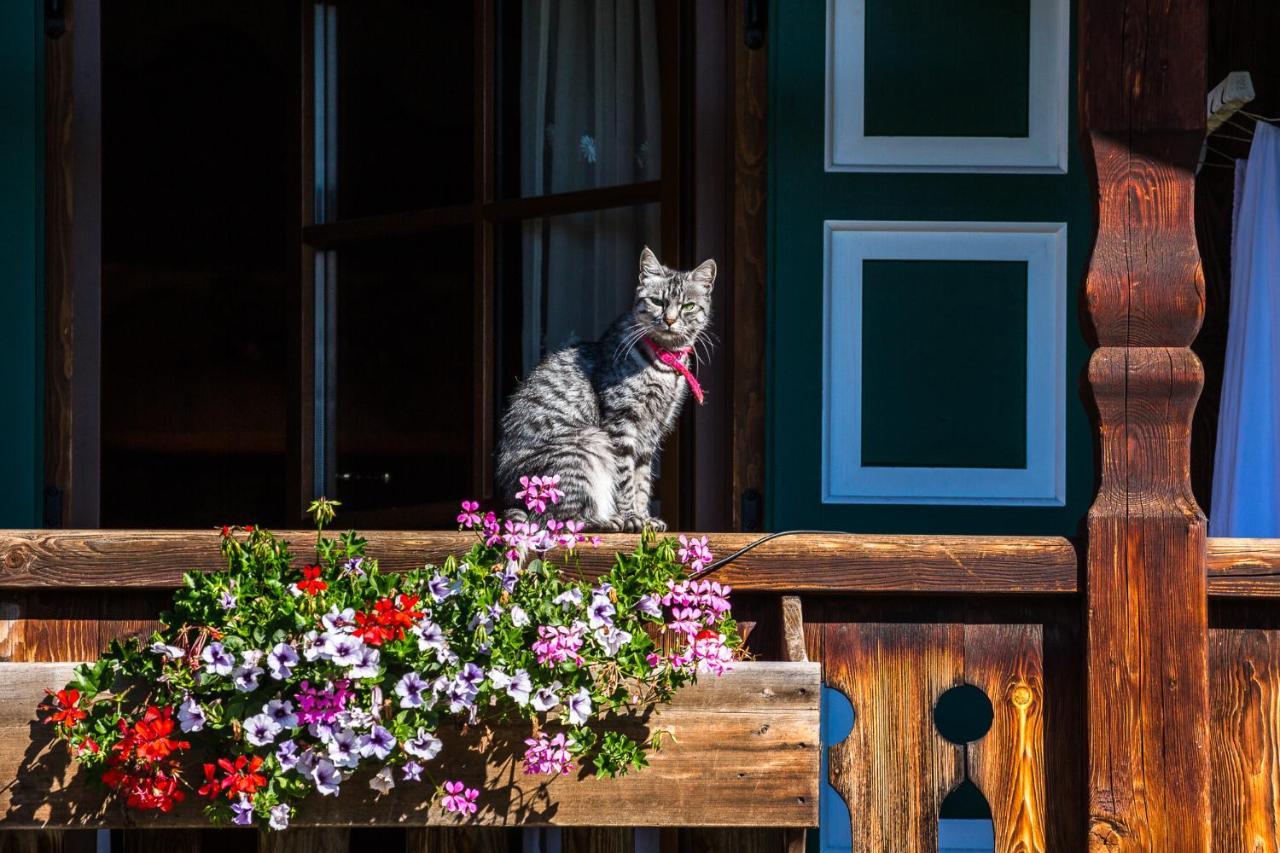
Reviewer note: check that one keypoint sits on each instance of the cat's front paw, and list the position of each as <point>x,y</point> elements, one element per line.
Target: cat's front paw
<point>632,523</point>
<point>657,525</point>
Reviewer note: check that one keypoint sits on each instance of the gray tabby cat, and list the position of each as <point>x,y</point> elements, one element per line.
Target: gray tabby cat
<point>595,413</point>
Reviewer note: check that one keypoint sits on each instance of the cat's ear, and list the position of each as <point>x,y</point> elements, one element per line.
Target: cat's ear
<point>704,274</point>
<point>649,266</point>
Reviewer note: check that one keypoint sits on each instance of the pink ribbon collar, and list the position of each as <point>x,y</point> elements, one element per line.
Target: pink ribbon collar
<point>677,360</point>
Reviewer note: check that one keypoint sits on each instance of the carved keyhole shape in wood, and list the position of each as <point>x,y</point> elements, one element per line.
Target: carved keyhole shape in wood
<point>895,768</point>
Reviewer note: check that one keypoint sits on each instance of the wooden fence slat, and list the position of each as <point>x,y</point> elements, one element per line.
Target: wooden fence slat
<point>162,841</point>
<point>853,563</point>
<point>326,840</point>
<point>1244,690</point>
<point>1007,765</point>
<point>439,840</point>
<point>894,769</point>
<point>49,841</point>
<point>750,736</point>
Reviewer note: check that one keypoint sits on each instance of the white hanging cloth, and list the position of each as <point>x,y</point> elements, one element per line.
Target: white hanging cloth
<point>1246,473</point>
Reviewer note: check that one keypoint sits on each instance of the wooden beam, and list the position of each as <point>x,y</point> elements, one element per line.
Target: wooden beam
<point>1142,84</point>
<point>1244,568</point>
<point>751,737</point>
<point>834,563</point>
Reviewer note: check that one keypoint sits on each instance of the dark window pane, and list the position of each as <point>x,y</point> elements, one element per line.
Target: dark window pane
<point>405,105</point>
<point>569,277</point>
<point>584,80</point>
<point>406,355</point>
<point>200,223</point>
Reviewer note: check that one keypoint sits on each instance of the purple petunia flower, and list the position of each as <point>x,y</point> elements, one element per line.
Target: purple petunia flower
<point>441,587</point>
<point>287,754</point>
<point>281,710</point>
<point>279,816</point>
<point>327,778</point>
<point>242,811</point>
<point>383,781</point>
<point>190,715</point>
<point>342,649</point>
<point>227,600</point>
<point>649,605</point>
<point>410,688</point>
<point>600,612</point>
<point>412,771</point>
<point>217,660</point>
<point>377,743</point>
<point>261,729</point>
<point>424,745</point>
<point>579,707</point>
<point>368,666</point>
<point>281,661</point>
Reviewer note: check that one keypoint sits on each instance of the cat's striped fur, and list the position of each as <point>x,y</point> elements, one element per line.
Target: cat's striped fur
<point>595,413</point>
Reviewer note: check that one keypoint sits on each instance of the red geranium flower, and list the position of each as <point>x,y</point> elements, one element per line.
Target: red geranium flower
<point>389,620</point>
<point>147,740</point>
<point>65,710</point>
<point>311,583</point>
<point>156,791</point>
<point>239,777</point>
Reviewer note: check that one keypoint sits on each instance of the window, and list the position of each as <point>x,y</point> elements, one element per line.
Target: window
<point>326,264</point>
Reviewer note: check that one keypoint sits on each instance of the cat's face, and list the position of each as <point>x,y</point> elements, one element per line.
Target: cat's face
<point>674,307</point>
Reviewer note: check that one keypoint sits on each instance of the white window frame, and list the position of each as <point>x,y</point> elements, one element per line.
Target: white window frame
<point>1043,150</point>
<point>1043,246</point>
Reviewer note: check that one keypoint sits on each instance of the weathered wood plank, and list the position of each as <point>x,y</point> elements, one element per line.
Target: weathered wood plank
<point>469,840</point>
<point>327,840</point>
<point>1244,568</point>
<point>165,841</point>
<point>894,769</point>
<point>751,737</point>
<point>1244,686</point>
<point>803,563</point>
<point>1007,663</point>
<point>48,841</point>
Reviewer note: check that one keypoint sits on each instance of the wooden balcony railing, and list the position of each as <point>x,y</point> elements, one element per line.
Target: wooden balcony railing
<point>895,621</point>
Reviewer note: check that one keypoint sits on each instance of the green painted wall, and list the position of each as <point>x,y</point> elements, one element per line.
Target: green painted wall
<point>21,262</point>
<point>802,195</point>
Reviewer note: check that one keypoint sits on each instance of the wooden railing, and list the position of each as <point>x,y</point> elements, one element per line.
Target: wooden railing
<point>895,621</point>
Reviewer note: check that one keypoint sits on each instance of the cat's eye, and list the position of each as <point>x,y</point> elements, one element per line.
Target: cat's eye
<point>689,306</point>
<point>656,301</point>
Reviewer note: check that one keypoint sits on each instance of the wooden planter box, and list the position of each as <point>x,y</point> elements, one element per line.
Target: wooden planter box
<point>742,751</point>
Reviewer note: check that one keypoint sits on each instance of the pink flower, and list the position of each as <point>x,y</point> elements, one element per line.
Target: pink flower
<point>492,531</point>
<point>469,517</point>
<point>710,653</point>
<point>694,552</point>
<point>459,798</point>
<point>321,706</point>
<point>549,757</point>
<point>538,491</point>
<point>559,643</point>
<point>686,620</point>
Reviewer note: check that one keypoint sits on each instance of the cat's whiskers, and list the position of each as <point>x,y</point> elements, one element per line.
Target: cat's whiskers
<point>629,341</point>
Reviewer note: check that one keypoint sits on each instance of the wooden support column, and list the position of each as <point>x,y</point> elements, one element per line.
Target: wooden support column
<point>1142,88</point>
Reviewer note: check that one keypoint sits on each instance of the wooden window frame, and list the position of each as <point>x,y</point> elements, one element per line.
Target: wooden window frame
<point>712,197</point>
<point>487,211</point>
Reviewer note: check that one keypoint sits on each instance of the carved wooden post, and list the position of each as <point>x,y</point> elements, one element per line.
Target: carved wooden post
<point>1142,87</point>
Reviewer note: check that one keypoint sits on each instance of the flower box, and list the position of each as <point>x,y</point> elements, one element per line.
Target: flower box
<point>740,750</point>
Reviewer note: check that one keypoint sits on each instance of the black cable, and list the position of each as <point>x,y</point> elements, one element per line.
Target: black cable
<point>706,570</point>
